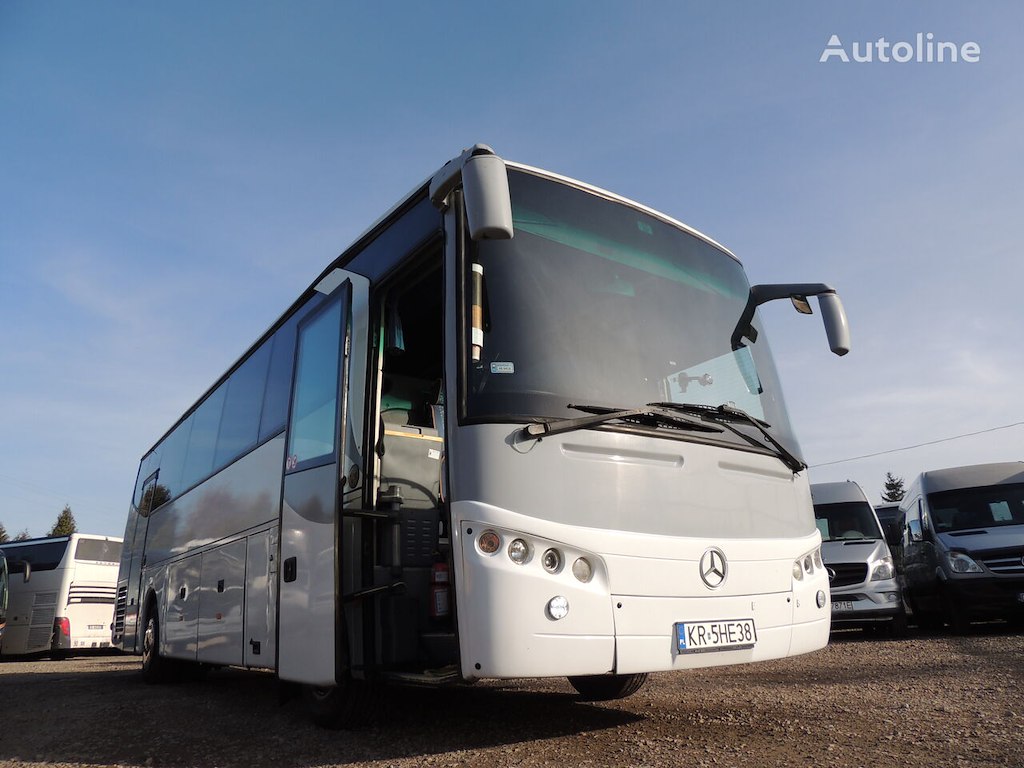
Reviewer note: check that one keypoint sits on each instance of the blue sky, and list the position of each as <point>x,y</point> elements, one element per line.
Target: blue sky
<point>172,176</point>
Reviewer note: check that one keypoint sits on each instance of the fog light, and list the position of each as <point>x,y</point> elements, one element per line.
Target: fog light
<point>552,561</point>
<point>558,607</point>
<point>891,597</point>
<point>820,598</point>
<point>489,542</point>
<point>582,571</point>
<point>518,551</point>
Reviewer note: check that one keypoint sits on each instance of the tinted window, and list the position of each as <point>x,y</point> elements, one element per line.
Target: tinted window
<point>985,507</point>
<point>279,381</point>
<point>846,520</point>
<point>101,551</point>
<point>172,457</point>
<point>240,424</point>
<point>203,441</point>
<point>44,556</point>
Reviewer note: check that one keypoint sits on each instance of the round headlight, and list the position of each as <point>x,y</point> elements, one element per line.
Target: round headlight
<point>489,542</point>
<point>558,607</point>
<point>798,572</point>
<point>518,551</point>
<point>808,563</point>
<point>551,560</point>
<point>582,571</point>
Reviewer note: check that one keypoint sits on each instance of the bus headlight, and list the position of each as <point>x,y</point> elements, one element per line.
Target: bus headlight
<point>489,542</point>
<point>552,561</point>
<point>582,571</point>
<point>518,551</point>
<point>558,607</point>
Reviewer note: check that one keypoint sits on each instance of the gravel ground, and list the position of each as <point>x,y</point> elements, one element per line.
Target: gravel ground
<point>927,700</point>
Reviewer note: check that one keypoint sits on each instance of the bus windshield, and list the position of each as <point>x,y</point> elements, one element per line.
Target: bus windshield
<point>599,304</point>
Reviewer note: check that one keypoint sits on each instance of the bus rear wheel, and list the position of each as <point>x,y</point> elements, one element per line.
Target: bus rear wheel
<point>349,705</point>
<point>607,687</point>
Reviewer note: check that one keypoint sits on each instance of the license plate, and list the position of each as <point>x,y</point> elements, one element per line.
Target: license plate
<point>704,636</point>
<point>838,606</point>
<point>97,626</point>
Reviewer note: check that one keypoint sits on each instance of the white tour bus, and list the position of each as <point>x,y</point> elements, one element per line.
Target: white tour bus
<point>521,427</point>
<point>62,591</point>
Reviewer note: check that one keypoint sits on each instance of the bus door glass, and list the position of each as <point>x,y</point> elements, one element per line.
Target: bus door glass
<point>309,584</point>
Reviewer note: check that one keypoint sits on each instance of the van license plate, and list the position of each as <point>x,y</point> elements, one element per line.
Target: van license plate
<point>705,636</point>
<point>838,606</point>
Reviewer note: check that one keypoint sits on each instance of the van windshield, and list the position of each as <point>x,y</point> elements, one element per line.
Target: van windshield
<point>846,520</point>
<point>986,507</point>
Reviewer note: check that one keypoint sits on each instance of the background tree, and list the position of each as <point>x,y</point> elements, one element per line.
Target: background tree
<point>894,490</point>
<point>3,534</point>
<point>65,524</point>
<point>23,535</point>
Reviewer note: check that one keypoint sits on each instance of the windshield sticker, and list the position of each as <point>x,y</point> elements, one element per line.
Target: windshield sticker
<point>503,367</point>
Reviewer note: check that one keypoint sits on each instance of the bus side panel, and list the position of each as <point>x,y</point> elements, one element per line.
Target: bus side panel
<point>181,612</point>
<point>259,644</point>
<point>221,594</point>
<point>307,624</point>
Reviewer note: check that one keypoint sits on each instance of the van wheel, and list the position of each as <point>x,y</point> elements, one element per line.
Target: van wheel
<point>349,705</point>
<point>898,626</point>
<point>956,617</point>
<point>607,687</point>
<point>155,668</point>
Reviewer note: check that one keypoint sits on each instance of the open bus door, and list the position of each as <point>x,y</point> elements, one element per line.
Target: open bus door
<point>322,467</point>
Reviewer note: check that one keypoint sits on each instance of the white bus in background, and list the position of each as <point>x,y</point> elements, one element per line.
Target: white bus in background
<point>61,594</point>
<point>3,595</point>
<point>464,454</point>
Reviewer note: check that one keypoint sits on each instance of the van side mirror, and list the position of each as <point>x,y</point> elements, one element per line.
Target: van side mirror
<point>916,534</point>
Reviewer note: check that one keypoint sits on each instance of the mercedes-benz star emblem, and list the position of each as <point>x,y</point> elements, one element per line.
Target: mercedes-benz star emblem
<point>713,568</point>
<point>831,574</point>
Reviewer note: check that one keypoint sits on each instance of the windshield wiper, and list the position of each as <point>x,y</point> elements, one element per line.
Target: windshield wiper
<point>651,415</point>
<point>725,415</point>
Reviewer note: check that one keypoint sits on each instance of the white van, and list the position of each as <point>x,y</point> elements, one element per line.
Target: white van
<point>860,568</point>
<point>962,553</point>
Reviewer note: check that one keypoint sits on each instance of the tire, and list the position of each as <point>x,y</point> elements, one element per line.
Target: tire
<point>898,626</point>
<point>352,704</point>
<point>155,668</point>
<point>607,687</point>
<point>956,617</point>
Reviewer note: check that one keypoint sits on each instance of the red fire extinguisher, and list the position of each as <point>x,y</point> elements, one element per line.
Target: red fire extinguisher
<point>440,591</point>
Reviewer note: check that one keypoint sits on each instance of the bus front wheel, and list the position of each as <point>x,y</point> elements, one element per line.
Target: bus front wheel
<point>155,668</point>
<point>607,687</point>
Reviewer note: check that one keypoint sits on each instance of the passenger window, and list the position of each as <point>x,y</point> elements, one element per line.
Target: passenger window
<point>202,442</point>
<point>240,424</point>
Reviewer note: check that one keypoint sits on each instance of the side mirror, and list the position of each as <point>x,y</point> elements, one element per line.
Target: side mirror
<point>833,315</point>
<point>484,182</point>
<point>916,534</point>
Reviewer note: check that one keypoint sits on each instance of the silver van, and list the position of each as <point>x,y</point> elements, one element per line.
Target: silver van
<point>860,567</point>
<point>961,556</point>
